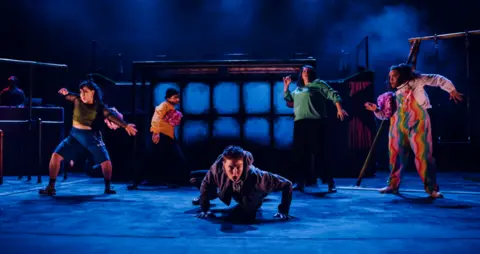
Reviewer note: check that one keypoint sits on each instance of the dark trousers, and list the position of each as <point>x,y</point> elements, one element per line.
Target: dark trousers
<point>311,152</point>
<point>167,163</point>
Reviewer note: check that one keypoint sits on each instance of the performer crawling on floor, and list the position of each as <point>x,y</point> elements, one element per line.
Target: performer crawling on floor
<point>235,177</point>
<point>88,113</point>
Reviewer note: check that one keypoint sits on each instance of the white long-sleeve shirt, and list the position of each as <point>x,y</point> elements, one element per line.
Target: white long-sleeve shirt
<point>418,87</point>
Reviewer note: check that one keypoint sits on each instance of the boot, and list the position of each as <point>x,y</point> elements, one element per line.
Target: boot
<point>49,190</point>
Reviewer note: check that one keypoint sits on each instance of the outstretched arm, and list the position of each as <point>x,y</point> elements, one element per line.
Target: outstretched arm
<point>327,91</point>
<point>208,188</point>
<point>382,113</point>
<point>113,117</point>
<point>270,182</point>
<point>386,106</point>
<point>445,84</point>
<point>68,95</point>
<point>436,80</point>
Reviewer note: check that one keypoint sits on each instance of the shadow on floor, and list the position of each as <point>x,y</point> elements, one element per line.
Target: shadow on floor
<point>78,199</point>
<point>237,225</point>
<point>441,203</point>
<point>324,194</point>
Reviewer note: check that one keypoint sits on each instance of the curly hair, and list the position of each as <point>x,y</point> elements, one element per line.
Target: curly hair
<point>92,86</point>
<point>405,72</point>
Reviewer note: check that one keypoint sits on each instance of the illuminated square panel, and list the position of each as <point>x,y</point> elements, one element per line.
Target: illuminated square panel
<point>256,130</point>
<point>283,132</point>
<point>196,98</point>
<point>279,101</point>
<point>160,90</point>
<point>226,98</point>
<point>195,131</point>
<point>226,127</point>
<point>256,97</point>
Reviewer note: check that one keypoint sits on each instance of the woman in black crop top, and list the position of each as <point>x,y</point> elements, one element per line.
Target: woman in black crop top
<point>88,115</point>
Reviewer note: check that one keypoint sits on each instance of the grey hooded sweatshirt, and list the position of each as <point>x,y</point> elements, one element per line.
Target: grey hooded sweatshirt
<point>256,184</point>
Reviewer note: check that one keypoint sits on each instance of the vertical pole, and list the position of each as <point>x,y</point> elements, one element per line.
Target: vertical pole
<point>30,96</point>
<point>366,53</point>
<point>134,116</point>
<point>272,114</point>
<point>30,117</point>
<point>94,56</point>
<point>1,157</point>
<point>39,169</point>
<point>441,126</point>
<point>467,63</point>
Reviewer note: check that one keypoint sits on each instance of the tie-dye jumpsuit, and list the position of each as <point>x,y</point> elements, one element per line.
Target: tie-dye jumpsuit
<point>410,127</point>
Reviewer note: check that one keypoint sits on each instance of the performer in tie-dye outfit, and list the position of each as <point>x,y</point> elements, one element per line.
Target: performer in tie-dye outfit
<point>410,125</point>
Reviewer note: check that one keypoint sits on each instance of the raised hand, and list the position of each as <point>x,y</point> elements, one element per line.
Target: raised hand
<point>131,130</point>
<point>456,96</point>
<point>286,82</point>
<point>370,106</point>
<point>63,91</point>
<point>155,138</point>
<point>282,216</point>
<point>204,215</point>
<point>341,114</point>
<point>109,123</point>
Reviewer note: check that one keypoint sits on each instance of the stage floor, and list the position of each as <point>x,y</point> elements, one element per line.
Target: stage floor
<point>80,219</point>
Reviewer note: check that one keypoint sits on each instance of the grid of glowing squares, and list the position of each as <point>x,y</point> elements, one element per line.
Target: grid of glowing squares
<point>226,100</point>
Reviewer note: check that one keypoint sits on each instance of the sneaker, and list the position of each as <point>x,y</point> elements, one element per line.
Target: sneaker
<point>110,191</point>
<point>436,194</point>
<point>388,190</point>
<point>49,190</point>
<point>196,201</point>
<point>332,188</point>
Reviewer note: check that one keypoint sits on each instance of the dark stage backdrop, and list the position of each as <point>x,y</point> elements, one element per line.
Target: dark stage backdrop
<point>241,103</point>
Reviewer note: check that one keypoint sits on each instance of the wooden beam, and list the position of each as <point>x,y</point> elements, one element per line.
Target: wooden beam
<point>445,36</point>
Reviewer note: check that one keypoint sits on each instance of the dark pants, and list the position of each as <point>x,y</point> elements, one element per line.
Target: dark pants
<point>82,143</point>
<point>311,152</point>
<point>167,162</point>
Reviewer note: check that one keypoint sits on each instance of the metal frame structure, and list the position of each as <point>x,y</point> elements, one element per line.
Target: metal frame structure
<point>210,72</point>
<point>32,65</point>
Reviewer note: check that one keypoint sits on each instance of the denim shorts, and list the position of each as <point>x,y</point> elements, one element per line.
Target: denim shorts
<point>83,141</point>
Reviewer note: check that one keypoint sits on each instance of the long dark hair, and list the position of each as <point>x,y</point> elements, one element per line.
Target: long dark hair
<point>405,72</point>
<point>312,75</point>
<point>98,96</point>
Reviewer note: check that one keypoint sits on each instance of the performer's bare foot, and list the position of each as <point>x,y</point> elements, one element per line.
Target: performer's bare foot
<point>436,194</point>
<point>388,190</point>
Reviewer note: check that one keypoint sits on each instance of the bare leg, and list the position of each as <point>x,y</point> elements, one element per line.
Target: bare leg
<point>107,176</point>
<point>53,168</point>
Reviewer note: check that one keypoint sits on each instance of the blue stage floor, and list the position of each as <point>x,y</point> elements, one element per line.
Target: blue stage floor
<point>80,219</point>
